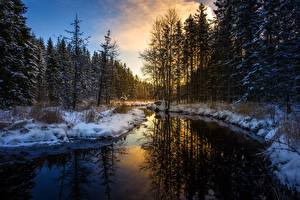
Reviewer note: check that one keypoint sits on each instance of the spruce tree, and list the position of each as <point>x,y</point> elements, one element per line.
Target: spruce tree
<point>77,44</point>
<point>189,55</point>
<point>41,72</point>
<point>52,74</point>
<point>66,72</point>
<point>202,46</point>
<point>108,54</point>
<point>17,67</point>
<point>178,53</point>
<point>222,50</point>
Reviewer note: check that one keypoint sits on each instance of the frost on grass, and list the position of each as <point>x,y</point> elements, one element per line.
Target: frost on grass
<point>30,132</point>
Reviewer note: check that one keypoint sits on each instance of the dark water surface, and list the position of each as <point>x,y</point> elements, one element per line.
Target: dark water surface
<point>165,158</point>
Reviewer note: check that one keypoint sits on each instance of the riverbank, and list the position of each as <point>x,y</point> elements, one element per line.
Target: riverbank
<point>166,157</point>
<point>279,131</point>
<point>51,126</point>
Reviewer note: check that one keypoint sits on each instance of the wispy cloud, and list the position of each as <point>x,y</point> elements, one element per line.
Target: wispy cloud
<point>132,24</point>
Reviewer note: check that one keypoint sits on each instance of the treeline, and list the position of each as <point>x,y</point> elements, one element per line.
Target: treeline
<point>249,52</point>
<point>61,72</point>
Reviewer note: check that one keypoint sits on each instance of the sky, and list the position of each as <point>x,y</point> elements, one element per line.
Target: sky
<point>130,21</point>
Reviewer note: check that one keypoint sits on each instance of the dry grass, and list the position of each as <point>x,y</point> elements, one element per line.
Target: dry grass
<point>21,112</point>
<point>86,105</point>
<point>219,105</point>
<point>90,116</point>
<point>252,109</point>
<point>49,116</point>
<point>256,110</point>
<point>291,129</point>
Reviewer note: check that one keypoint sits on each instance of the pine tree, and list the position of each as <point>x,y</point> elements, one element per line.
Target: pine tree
<point>77,43</point>
<point>52,74</point>
<point>222,50</point>
<point>178,53</point>
<point>31,59</point>
<point>66,72</point>
<point>202,46</point>
<point>245,26</point>
<point>41,72</point>
<point>108,54</point>
<point>189,55</point>
<point>17,67</point>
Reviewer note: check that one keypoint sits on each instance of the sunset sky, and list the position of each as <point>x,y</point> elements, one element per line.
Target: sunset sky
<point>130,21</point>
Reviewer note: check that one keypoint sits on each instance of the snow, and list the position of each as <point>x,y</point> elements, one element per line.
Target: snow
<point>112,126</point>
<point>286,162</point>
<point>134,103</point>
<point>258,126</point>
<point>75,117</point>
<point>284,158</point>
<point>29,132</point>
<point>158,105</point>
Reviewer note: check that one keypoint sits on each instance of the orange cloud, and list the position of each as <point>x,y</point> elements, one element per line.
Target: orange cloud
<point>132,26</point>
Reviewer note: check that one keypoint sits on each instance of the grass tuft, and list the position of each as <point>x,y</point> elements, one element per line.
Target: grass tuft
<point>49,116</point>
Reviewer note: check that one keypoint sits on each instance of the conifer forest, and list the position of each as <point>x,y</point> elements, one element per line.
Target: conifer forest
<point>150,99</point>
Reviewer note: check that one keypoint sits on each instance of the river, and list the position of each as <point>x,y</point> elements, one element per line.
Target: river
<point>167,157</point>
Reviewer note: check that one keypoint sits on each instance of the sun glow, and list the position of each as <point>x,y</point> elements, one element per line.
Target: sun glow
<point>133,25</point>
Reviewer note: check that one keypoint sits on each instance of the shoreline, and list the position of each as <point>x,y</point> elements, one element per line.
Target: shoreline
<point>285,159</point>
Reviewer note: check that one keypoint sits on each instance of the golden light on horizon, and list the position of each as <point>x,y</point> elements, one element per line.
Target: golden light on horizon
<point>133,25</point>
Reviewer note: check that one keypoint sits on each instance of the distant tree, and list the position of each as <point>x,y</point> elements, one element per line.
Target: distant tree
<point>202,51</point>
<point>41,72</point>
<point>108,54</point>
<point>52,74</point>
<point>189,54</point>
<point>178,53</point>
<point>77,43</point>
<point>66,70</point>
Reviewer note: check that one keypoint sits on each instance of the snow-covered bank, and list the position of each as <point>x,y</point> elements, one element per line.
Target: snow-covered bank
<point>283,153</point>
<point>107,124</point>
<point>132,103</point>
<point>112,126</point>
<point>286,162</point>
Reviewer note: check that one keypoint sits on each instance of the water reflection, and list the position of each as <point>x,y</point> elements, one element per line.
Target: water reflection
<point>198,160</point>
<point>166,158</point>
<point>80,174</point>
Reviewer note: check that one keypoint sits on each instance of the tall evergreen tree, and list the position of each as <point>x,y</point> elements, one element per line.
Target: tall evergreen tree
<point>189,54</point>
<point>52,74</point>
<point>41,72</point>
<point>202,49</point>
<point>77,43</point>
<point>108,54</point>
<point>66,73</point>
<point>17,67</point>
<point>178,53</point>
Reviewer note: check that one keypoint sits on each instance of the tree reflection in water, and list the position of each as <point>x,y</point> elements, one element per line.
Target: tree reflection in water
<point>180,159</point>
<point>198,160</point>
<point>74,173</point>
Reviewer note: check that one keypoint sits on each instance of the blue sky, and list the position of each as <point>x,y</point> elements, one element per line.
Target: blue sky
<point>130,21</point>
<point>50,18</point>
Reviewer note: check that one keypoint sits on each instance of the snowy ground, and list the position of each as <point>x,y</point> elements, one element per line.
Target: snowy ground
<point>28,132</point>
<point>283,153</point>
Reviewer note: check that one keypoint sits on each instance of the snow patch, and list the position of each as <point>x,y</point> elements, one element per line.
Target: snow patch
<point>287,163</point>
<point>112,126</point>
<point>29,133</point>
